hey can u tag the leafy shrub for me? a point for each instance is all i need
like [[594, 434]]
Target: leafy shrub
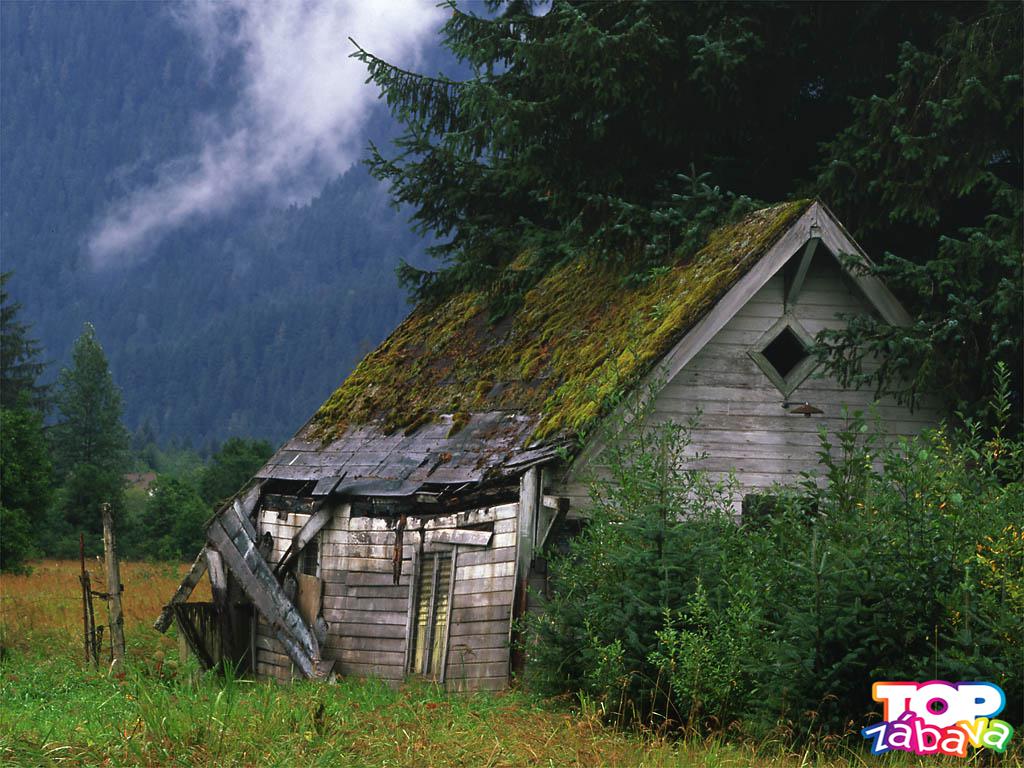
[[906, 564], [635, 561], [171, 526]]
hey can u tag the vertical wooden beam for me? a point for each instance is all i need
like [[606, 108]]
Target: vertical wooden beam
[[529, 499], [218, 578], [530, 490], [410, 627], [428, 631], [116, 620]]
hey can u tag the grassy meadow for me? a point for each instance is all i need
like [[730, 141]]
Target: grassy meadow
[[55, 709]]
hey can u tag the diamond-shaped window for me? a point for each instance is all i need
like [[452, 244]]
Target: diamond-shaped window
[[784, 354]]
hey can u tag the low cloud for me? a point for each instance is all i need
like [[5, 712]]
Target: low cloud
[[299, 118]]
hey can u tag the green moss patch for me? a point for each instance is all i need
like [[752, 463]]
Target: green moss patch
[[578, 342]]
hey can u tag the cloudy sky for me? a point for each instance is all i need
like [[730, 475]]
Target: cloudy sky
[[299, 118]]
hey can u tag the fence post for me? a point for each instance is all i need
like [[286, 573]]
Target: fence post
[[86, 599], [116, 620]]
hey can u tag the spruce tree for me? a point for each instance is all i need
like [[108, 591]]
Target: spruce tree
[[26, 474], [90, 443], [622, 127], [20, 363], [930, 171], [627, 130]]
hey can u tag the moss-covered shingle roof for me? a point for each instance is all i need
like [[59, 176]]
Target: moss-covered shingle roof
[[579, 339]]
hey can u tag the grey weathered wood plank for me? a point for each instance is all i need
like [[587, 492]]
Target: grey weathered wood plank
[[459, 656], [458, 536], [218, 578], [476, 586], [381, 671], [796, 275], [357, 629], [389, 644], [482, 598], [481, 613], [481, 670], [374, 578], [506, 567], [387, 591], [260, 586], [349, 603], [375, 657], [463, 629], [478, 642], [349, 615], [490, 555]]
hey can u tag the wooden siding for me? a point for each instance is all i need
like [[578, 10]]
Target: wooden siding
[[743, 426], [271, 659], [368, 615]]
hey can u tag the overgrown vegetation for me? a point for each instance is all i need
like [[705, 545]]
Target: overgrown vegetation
[[163, 712], [54, 479], [907, 564]]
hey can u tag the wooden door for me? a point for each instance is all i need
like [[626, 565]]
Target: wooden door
[[430, 629]]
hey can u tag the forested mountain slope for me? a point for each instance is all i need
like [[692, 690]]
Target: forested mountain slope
[[240, 325]]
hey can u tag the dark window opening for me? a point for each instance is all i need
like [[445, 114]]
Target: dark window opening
[[310, 558], [785, 352]]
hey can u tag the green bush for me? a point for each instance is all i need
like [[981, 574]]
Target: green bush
[[634, 563], [171, 524], [906, 564], [16, 540]]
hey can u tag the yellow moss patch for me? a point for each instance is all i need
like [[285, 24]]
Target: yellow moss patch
[[579, 340]]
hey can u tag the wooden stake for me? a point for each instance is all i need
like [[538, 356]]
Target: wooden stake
[[116, 621], [83, 579]]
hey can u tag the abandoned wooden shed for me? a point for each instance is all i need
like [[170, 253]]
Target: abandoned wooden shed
[[396, 534]]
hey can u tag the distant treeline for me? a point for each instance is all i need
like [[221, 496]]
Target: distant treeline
[[241, 325], [65, 453]]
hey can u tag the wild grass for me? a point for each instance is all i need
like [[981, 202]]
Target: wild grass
[[55, 709]]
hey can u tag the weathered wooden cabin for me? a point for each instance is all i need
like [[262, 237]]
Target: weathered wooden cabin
[[397, 533]]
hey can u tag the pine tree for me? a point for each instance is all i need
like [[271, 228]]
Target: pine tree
[[20, 364], [90, 443], [26, 477], [931, 172], [26, 473], [593, 125]]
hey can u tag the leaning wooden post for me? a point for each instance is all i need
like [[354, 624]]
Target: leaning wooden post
[[83, 579], [116, 620]]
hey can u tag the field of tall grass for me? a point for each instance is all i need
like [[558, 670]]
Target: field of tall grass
[[56, 709]]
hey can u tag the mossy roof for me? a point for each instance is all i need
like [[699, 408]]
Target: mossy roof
[[580, 338]]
